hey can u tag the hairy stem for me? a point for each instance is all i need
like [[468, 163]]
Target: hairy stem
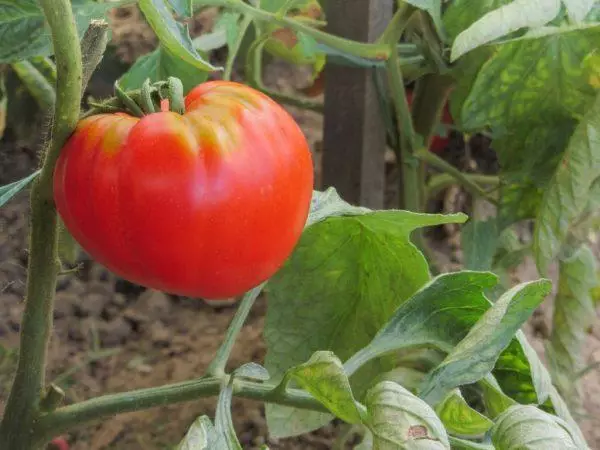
[[63, 419], [463, 179], [23, 406], [217, 366]]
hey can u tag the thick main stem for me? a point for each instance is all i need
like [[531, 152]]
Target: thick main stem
[[22, 408]]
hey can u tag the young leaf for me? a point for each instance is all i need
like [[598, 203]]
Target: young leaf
[[8, 191], [324, 378], [440, 314], [527, 427], [574, 312], [568, 193], [173, 36], [24, 34], [504, 20], [459, 418], [399, 420], [476, 354], [479, 241], [533, 81], [202, 435], [337, 290], [252, 371]]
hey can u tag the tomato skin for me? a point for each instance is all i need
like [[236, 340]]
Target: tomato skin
[[206, 204]]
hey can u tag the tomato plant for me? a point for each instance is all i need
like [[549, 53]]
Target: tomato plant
[[206, 204], [204, 188]]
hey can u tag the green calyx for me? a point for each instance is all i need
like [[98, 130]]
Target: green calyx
[[143, 101]]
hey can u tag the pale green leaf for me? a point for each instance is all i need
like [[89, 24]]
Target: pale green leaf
[[574, 313], [459, 418], [495, 401], [399, 420], [223, 420], [567, 195], [229, 22], [173, 36], [182, 7], [329, 204], [463, 444], [528, 428], [461, 14], [324, 378], [579, 9], [479, 241], [476, 354], [531, 83], [504, 20], [344, 280], [252, 371]]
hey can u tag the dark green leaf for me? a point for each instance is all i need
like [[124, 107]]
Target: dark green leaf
[[342, 283], [173, 36], [399, 420], [528, 428], [459, 418], [182, 7], [202, 435], [476, 354], [532, 83], [574, 313], [461, 14], [502, 21], [24, 34], [479, 240], [324, 378], [8, 191], [159, 65], [568, 193]]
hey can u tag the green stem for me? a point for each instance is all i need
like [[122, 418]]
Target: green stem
[[235, 48], [65, 418], [22, 408], [368, 51], [36, 83], [439, 182], [217, 366], [468, 183]]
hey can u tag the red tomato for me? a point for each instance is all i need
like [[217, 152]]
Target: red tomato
[[206, 204], [58, 444]]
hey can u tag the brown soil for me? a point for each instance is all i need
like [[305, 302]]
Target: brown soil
[[111, 336]]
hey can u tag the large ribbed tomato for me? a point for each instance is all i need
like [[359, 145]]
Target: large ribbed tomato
[[207, 204]]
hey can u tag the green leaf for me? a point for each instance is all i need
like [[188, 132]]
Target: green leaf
[[223, 421], [476, 354], [229, 22], [578, 9], [440, 314], [504, 20], [574, 313], [495, 401], [8, 191], [461, 14], [173, 36], [532, 83], [399, 420], [202, 435], [528, 428], [567, 196], [324, 378], [182, 7], [24, 34], [344, 280], [462, 444], [479, 241], [459, 418]]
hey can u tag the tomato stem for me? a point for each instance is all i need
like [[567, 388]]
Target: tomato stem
[[146, 98], [127, 101], [175, 95], [217, 365]]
